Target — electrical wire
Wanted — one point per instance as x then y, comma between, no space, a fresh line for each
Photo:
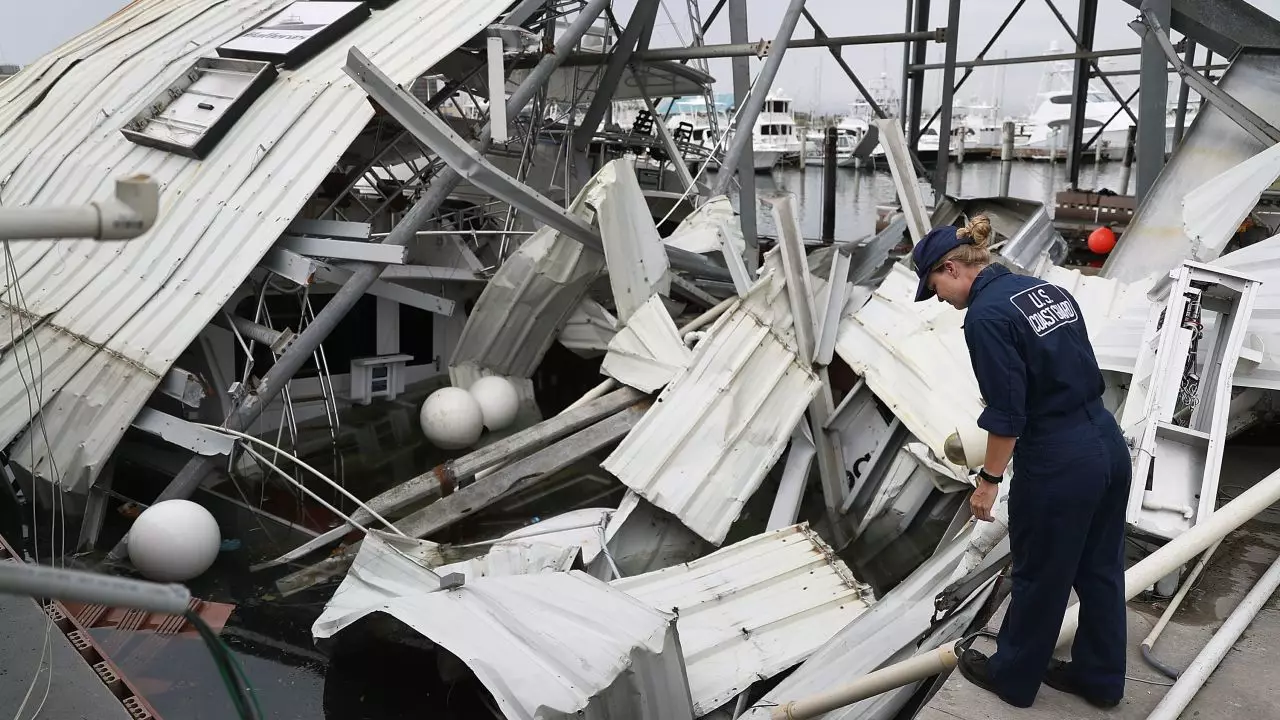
359,503
19,310
233,675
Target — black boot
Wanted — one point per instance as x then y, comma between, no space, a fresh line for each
973,666
1059,677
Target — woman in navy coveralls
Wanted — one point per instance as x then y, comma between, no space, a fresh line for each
1042,391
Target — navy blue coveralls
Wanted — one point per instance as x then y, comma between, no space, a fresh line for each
1041,384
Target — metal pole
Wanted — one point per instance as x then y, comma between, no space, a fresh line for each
907,48
1086,22
1197,673
1006,157
364,275
711,16
747,114
982,53
830,156
1154,83
991,62
1129,141
697,52
618,61
745,165
948,100
1092,63
1203,69
866,95
1184,90
917,78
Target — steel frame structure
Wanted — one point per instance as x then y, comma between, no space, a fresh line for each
431,180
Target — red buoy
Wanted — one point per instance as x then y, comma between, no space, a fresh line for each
1102,240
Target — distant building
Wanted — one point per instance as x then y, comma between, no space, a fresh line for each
8,70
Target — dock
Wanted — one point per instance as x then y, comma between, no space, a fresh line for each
1245,685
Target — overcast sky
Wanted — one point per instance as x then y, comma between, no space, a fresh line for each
810,76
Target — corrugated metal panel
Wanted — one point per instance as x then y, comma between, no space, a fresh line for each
753,609
648,352
550,646
1212,213
1154,240
115,316
633,248
911,354
718,428
530,299
589,329
709,228
893,625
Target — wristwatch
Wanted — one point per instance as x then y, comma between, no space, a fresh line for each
993,479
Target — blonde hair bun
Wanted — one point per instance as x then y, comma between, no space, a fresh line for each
978,228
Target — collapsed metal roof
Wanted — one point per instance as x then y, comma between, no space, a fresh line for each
110,319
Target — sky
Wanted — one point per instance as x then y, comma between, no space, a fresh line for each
810,75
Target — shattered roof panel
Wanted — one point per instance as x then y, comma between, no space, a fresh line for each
893,624
1155,240
532,296
910,354
722,423
742,614
648,352
550,646
115,316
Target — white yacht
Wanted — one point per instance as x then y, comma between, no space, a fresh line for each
849,132
979,124
774,137
1046,131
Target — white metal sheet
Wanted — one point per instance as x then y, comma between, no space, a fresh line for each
911,354
710,228
633,249
1212,212
115,316
548,646
589,329
892,627
648,352
521,557
1262,261
1154,240
744,616
718,428
529,300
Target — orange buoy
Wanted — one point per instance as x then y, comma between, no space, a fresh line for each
1102,240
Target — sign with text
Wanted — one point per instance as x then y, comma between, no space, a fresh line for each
298,32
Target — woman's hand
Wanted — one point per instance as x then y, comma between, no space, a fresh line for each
983,499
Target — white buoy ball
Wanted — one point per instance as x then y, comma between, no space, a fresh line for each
174,541
498,400
451,419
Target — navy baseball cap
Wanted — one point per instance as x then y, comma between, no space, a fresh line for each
930,250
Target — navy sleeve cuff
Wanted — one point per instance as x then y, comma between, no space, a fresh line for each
998,422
